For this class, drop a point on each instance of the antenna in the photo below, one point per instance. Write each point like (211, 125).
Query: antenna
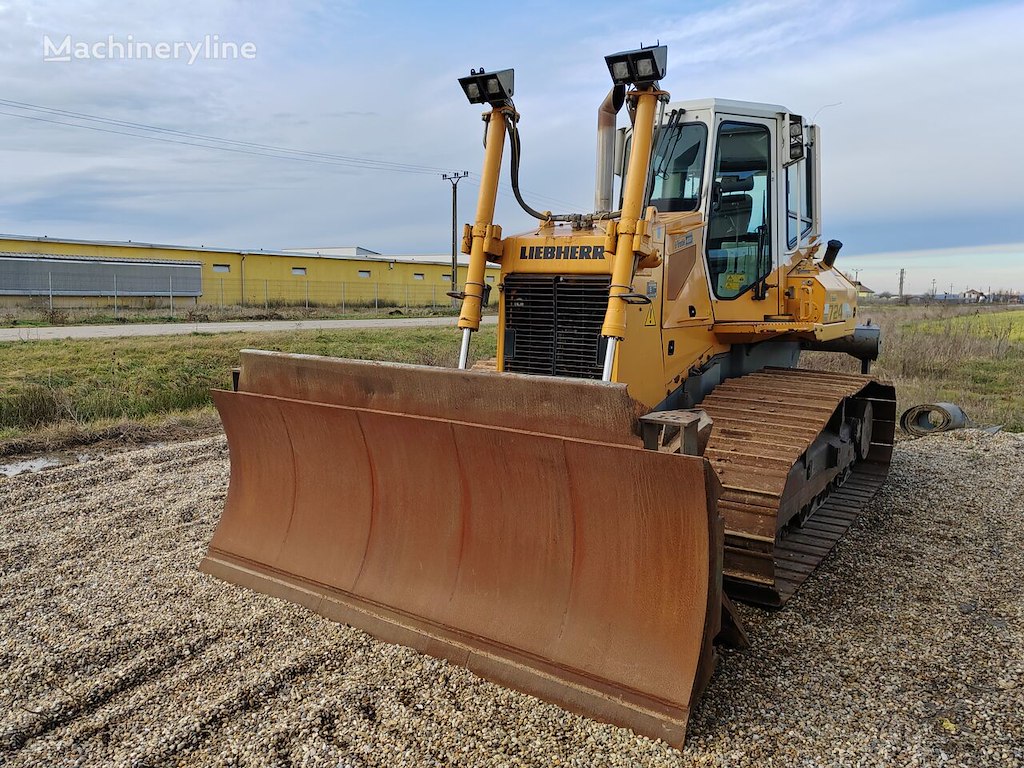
(820, 109)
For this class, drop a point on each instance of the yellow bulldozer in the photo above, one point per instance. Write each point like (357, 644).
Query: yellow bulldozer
(573, 523)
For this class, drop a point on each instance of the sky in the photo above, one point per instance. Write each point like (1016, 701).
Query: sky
(919, 104)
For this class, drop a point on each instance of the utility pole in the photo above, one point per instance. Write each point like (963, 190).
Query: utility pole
(455, 177)
(856, 275)
(933, 288)
(903, 274)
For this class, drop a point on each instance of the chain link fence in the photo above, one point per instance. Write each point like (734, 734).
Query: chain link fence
(359, 294)
(53, 292)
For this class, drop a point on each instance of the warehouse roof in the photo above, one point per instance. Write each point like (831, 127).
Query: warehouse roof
(115, 259)
(353, 253)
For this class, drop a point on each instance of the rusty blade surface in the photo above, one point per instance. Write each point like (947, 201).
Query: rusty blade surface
(576, 570)
(589, 410)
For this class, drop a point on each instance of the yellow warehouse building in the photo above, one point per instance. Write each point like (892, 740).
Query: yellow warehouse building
(67, 272)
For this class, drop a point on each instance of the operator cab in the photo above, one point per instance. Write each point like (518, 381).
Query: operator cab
(751, 169)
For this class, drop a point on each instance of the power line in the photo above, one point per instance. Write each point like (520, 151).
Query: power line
(506, 189)
(208, 137)
(238, 146)
(369, 165)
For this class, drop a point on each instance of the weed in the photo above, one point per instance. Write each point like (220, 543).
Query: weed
(971, 357)
(55, 316)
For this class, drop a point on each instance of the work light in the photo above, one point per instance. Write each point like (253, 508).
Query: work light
(495, 88)
(643, 66)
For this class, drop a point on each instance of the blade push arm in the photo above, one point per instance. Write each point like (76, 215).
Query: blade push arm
(483, 229)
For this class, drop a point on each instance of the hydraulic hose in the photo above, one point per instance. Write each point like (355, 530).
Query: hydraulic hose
(516, 153)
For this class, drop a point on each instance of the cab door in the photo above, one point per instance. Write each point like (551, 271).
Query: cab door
(741, 241)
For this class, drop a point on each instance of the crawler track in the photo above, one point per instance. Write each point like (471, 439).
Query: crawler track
(765, 423)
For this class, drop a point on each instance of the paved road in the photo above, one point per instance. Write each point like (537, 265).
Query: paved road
(259, 326)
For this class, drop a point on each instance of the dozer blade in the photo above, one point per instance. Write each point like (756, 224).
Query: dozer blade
(509, 524)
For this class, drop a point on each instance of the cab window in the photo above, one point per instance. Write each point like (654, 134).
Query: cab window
(739, 238)
(806, 198)
(678, 168)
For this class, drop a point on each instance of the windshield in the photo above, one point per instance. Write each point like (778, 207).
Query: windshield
(678, 167)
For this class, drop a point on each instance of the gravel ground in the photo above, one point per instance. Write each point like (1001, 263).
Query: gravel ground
(907, 647)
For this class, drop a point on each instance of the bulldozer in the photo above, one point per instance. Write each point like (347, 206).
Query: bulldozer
(574, 522)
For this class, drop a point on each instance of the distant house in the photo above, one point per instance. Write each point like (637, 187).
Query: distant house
(972, 296)
(863, 291)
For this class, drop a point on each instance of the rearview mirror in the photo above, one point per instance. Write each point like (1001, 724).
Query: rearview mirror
(794, 133)
(620, 151)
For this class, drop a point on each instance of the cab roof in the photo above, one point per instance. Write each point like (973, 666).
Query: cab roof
(730, 106)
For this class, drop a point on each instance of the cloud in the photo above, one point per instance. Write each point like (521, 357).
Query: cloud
(921, 152)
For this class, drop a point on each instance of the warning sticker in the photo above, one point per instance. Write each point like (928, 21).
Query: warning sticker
(650, 322)
(734, 281)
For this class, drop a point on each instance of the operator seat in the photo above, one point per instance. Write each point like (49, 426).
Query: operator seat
(732, 217)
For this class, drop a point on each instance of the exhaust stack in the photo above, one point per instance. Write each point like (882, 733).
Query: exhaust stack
(606, 147)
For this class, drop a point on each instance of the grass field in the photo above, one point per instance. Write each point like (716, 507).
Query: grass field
(963, 355)
(77, 390)
(999, 326)
(66, 392)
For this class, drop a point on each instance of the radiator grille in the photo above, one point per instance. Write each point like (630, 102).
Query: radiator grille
(553, 324)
